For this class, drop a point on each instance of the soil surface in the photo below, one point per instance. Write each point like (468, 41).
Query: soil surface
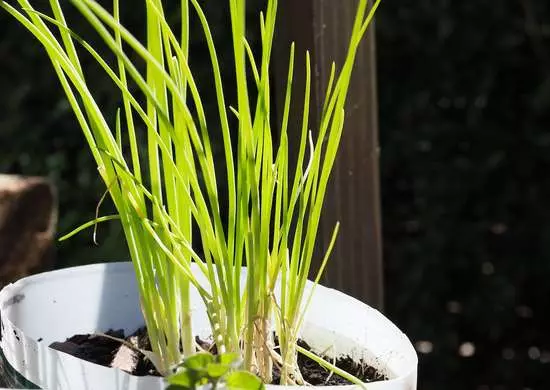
(316, 375)
(112, 353)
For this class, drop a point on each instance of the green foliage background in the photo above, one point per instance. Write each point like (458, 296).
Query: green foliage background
(464, 92)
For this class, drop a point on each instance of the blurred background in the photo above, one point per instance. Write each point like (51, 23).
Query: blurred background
(464, 97)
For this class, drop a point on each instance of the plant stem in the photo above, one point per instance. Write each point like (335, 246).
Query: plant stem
(264, 343)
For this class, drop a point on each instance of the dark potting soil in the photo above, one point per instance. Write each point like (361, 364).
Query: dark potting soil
(316, 375)
(112, 353)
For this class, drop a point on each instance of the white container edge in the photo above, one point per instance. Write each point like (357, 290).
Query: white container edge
(43, 308)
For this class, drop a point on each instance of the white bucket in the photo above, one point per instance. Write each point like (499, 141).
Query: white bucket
(52, 306)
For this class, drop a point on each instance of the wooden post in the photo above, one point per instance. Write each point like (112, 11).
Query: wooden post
(353, 197)
(28, 218)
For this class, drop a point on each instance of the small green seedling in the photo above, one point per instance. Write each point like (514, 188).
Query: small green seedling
(205, 371)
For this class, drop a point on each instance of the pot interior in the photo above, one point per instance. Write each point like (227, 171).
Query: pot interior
(56, 305)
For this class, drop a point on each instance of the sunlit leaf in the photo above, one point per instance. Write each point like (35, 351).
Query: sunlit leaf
(243, 380)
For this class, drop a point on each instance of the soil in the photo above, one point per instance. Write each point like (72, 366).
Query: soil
(112, 353)
(316, 375)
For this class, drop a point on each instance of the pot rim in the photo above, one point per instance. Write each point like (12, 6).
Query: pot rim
(9, 294)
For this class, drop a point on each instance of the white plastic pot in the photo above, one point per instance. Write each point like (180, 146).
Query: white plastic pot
(48, 307)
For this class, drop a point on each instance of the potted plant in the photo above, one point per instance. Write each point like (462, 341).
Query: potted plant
(240, 280)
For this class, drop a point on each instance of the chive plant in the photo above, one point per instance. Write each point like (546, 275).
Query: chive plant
(163, 180)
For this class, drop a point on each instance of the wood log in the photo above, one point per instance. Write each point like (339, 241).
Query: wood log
(353, 193)
(28, 218)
